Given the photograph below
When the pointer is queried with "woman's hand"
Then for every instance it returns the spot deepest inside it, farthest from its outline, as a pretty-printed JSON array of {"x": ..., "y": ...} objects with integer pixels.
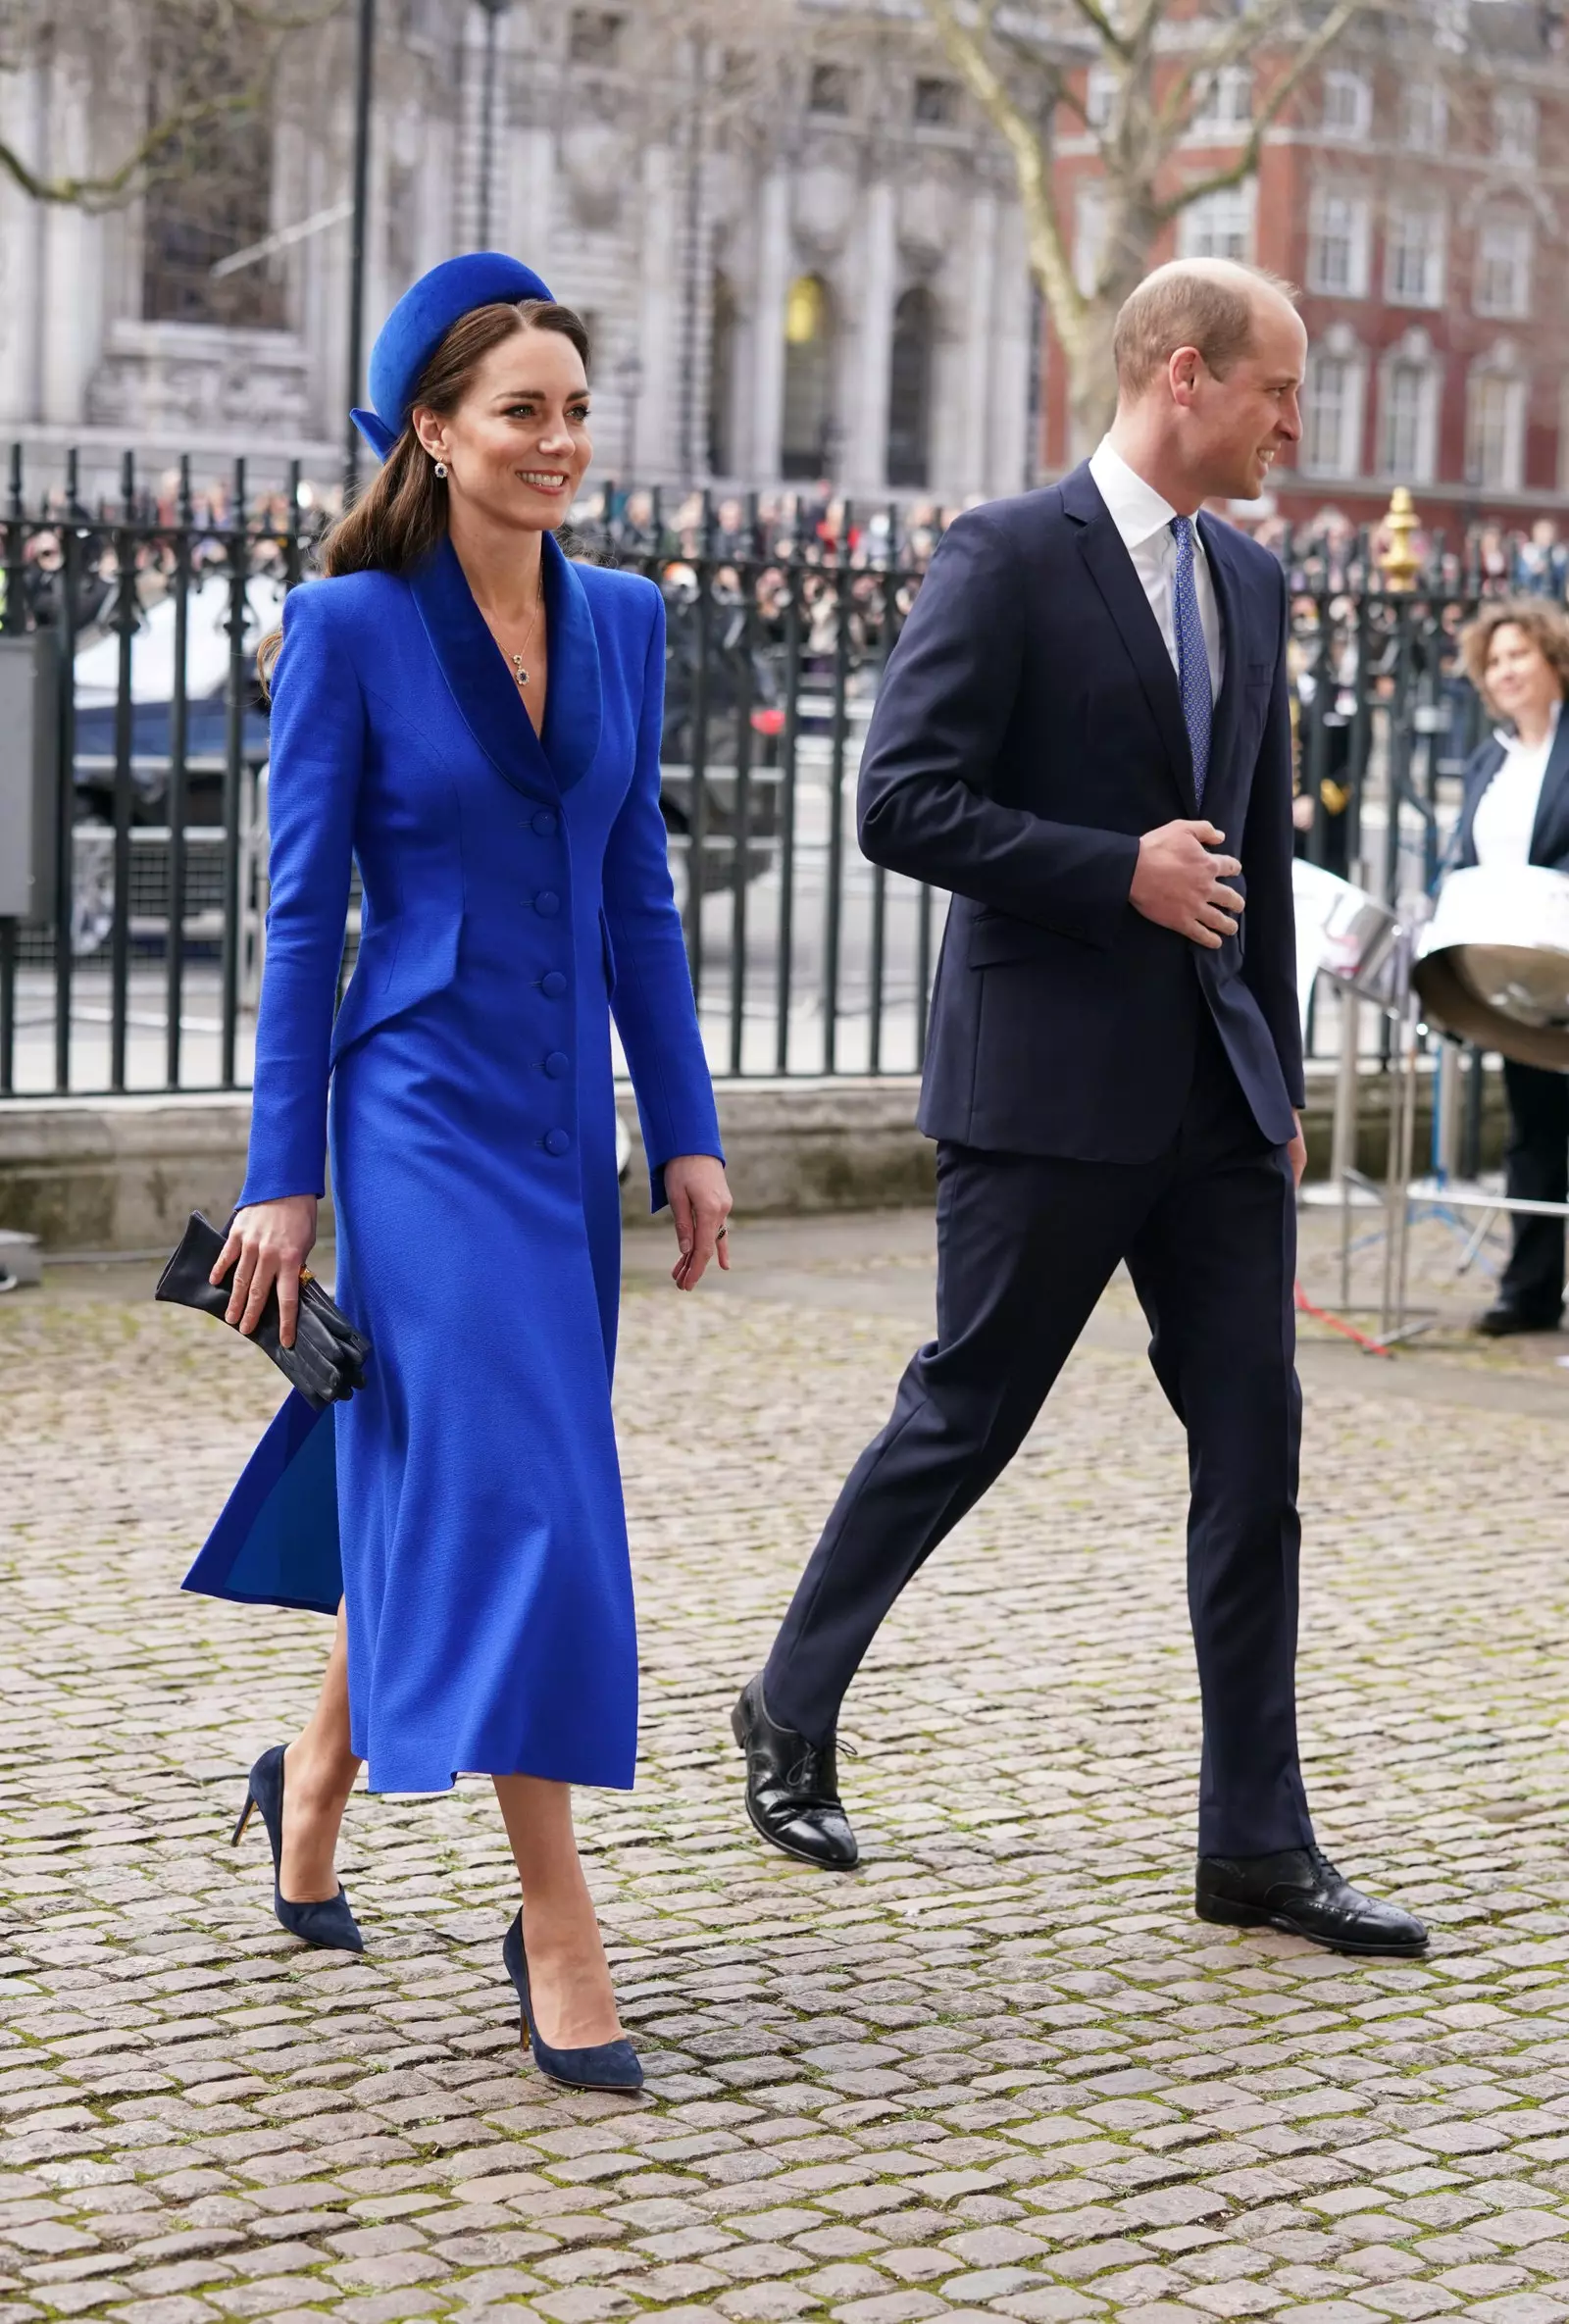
[
  {"x": 699, "y": 1203},
  {"x": 268, "y": 1243}
]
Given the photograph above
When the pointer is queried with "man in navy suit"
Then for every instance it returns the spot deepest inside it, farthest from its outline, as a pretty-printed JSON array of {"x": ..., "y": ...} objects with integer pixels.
[{"x": 1083, "y": 733}]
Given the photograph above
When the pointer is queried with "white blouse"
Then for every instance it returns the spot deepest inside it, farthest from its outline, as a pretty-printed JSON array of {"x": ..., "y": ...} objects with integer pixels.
[{"x": 1507, "y": 812}]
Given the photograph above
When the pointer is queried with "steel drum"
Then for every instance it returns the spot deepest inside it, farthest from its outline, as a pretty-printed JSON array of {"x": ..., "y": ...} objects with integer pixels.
[
  {"x": 1492, "y": 963},
  {"x": 1346, "y": 933}
]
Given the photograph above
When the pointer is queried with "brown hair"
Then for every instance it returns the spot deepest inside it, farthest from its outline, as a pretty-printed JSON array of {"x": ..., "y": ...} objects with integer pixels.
[
  {"x": 1193, "y": 303},
  {"x": 402, "y": 513},
  {"x": 1543, "y": 623}
]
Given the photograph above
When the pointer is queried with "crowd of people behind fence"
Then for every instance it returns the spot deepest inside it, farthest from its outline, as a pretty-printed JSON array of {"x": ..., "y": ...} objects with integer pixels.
[{"x": 812, "y": 524}]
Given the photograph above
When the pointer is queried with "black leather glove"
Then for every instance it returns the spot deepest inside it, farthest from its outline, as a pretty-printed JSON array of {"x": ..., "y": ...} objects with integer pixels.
[{"x": 327, "y": 1362}]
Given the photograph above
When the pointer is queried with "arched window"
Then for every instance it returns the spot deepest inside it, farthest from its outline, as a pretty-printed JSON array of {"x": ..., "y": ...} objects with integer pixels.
[
  {"x": 910, "y": 389},
  {"x": 810, "y": 331},
  {"x": 720, "y": 377}
]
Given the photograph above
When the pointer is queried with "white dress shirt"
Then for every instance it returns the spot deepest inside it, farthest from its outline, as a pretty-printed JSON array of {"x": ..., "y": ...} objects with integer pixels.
[
  {"x": 1507, "y": 812},
  {"x": 1143, "y": 521}
]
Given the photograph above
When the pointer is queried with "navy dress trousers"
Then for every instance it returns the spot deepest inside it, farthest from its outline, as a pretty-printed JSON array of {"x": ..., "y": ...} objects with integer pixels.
[
  {"x": 516, "y": 892},
  {"x": 1100, "y": 1090}
]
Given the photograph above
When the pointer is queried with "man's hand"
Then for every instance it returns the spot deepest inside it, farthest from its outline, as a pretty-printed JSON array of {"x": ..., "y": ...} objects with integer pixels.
[
  {"x": 1176, "y": 883},
  {"x": 1296, "y": 1152}
]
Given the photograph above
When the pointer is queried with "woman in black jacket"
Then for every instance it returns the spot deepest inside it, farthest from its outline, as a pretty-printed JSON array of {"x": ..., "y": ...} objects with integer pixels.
[{"x": 1516, "y": 811}]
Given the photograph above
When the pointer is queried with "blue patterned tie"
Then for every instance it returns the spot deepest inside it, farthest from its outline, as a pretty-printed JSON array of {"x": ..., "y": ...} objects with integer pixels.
[{"x": 1193, "y": 655}]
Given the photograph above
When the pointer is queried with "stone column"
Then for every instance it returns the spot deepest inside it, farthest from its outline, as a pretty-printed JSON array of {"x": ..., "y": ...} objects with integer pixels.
[
  {"x": 531, "y": 170},
  {"x": 867, "y": 448},
  {"x": 773, "y": 281},
  {"x": 979, "y": 326},
  {"x": 75, "y": 305},
  {"x": 25, "y": 102},
  {"x": 659, "y": 314}
]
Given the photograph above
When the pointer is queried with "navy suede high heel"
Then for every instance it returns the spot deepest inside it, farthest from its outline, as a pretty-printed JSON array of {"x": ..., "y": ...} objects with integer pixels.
[
  {"x": 608, "y": 2065},
  {"x": 327, "y": 1923}
]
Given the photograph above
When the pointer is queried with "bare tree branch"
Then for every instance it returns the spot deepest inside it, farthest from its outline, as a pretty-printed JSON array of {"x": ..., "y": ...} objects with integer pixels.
[
  {"x": 1242, "y": 38},
  {"x": 1030, "y": 152},
  {"x": 205, "y": 38},
  {"x": 1246, "y": 158},
  {"x": 105, "y": 193}
]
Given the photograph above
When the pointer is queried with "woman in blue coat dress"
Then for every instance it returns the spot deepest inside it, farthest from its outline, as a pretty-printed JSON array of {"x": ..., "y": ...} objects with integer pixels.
[{"x": 476, "y": 722}]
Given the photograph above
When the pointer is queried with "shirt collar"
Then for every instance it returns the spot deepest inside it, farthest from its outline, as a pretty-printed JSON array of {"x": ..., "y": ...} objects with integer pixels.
[
  {"x": 1135, "y": 508},
  {"x": 1512, "y": 745}
]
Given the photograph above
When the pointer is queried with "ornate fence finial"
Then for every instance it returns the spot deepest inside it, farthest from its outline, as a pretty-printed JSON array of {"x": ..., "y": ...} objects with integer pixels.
[{"x": 1397, "y": 560}]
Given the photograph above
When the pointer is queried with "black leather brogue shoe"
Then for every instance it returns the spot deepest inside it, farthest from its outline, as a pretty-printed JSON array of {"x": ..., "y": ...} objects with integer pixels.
[
  {"x": 792, "y": 1792},
  {"x": 1300, "y": 1890},
  {"x": 1504, "y": 1320}
]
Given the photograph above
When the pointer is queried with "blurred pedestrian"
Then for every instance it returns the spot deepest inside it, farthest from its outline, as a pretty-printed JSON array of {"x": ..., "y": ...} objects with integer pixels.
[{"x": 1516, "y": 811}]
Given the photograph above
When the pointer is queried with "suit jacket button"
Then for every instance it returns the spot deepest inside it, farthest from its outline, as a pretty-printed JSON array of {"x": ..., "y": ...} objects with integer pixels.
[
  {"x": 547, "y": 903},
  {"x": 553, "y": 984},
  {"x": 545, "y": 822},
  {"x": 557, "y": 1142},
  {"x": 558, "y": 1064}
]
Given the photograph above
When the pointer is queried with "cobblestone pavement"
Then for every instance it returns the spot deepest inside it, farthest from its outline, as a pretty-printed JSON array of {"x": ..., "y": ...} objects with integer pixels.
[{"x": 1001, "y": 2071}]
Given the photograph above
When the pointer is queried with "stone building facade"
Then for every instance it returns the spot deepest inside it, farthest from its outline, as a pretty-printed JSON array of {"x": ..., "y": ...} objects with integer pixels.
[
  {"x": 802, "y": 262},
  {"x": 1417, "y": 190}
]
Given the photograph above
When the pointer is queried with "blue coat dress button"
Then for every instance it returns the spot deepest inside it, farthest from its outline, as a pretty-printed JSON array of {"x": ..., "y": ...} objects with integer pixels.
[
  {"x": 553, "y": 984},
  {"x": 547, "y": 903},
  {"x": 545, "y": 822},
  {"x": 557, "y": 1142},
  {"x": 558, "y": 1064}
]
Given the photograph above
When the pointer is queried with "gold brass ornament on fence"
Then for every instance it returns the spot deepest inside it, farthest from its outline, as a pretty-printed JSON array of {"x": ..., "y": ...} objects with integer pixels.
[{"x": 1398, "y": 561}]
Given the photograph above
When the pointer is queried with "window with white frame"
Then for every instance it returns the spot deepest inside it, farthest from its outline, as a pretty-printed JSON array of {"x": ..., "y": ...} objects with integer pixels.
[
  {"x": 1348, "y": 104},
  {"x": 1494, "y": 428},
  {"x": 1101, "y": 84},
  {"x": 1222, "y": 102},
  {"x": 1413, "y": 254},
  {"x": 1424, "y": 116},
  {"x": 1514, "y": 126},
  {"x": 1504, "y": 267},
  {"x": 1333, "y": 394},
  {"x": 1338, "y": 244},
  {"x": 1218, "y": 224},
  {"x": 1408, "y": 422},
  {"x": 1088, "y": 234}
]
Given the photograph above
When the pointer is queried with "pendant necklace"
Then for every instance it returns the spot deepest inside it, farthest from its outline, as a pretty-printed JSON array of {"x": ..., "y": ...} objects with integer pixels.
[{"x": 519, "y": 671}]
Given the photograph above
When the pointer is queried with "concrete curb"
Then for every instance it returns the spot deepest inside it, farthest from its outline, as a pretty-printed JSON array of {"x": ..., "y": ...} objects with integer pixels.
[{"x": 120, "y": 1174}]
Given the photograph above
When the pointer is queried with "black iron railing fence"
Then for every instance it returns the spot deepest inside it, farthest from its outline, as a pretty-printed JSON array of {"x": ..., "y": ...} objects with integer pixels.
[{"x": 138, "y": 966}]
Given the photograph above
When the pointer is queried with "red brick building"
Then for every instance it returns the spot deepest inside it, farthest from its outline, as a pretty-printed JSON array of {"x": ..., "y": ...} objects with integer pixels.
[{"x": 1422, "y": 206}]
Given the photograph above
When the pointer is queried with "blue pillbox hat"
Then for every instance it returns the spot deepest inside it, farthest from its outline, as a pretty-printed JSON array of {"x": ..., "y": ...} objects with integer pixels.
[{"x": 420, "y": 321}]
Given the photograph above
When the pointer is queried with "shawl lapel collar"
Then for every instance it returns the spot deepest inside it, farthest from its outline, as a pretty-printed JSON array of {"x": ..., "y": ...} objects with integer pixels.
[
  {"x": 1111, "y": 569},
  {"x": 1549, "y": 841},
  {"x": 482, "y": 686}
]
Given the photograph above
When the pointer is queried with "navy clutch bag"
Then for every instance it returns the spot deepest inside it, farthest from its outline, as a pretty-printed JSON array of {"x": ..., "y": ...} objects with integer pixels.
[{"x": 327, "y": 1362}]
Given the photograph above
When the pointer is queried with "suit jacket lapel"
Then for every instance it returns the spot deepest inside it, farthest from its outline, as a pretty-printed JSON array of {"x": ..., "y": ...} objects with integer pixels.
[
  {"x": 575, "y": 703},
  {"x": 485, "y": 690},
  {"x": 1111, "y": 569},
  {"x": 1223, "y": 727},
  {"x": 1547, "y": 836}
]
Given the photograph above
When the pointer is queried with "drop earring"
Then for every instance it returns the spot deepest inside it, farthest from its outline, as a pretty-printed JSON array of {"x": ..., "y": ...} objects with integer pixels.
[{"x": 441, "y": 469}]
